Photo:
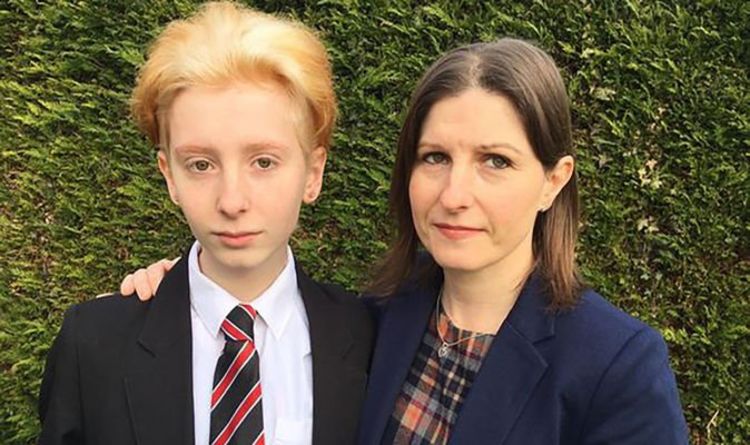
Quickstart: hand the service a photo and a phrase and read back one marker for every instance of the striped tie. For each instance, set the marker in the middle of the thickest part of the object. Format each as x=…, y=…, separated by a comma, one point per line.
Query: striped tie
x=236, y=408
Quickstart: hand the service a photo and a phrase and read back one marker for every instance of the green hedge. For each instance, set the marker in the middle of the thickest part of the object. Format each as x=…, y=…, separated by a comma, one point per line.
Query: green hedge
x=660, y=95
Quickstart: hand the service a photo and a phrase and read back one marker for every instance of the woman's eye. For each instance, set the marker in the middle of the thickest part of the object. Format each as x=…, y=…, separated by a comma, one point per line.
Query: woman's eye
x=497, y=161
x=200, y=165
x=435, y=158
x=264, y=163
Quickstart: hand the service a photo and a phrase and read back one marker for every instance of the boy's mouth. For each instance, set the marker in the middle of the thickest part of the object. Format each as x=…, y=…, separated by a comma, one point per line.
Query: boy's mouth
x=237, y=239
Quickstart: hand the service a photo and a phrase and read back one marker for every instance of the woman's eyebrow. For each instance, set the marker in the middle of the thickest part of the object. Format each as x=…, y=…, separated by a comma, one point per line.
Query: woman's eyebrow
x=428, y=144
x=509, y=146
x=482, y=147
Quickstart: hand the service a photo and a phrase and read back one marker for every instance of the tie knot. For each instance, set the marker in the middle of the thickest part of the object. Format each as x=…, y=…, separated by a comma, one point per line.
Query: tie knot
x=238, y=326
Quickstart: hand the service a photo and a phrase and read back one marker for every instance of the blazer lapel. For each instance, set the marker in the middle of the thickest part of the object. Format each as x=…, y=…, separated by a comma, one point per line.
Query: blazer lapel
x=399, y=336
x=338, y=387
x=509, y=372
x=159, y=382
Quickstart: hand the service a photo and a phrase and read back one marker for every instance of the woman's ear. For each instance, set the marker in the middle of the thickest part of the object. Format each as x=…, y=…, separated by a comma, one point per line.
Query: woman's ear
x=316, y=165
x=163, y=161
x=555, y=180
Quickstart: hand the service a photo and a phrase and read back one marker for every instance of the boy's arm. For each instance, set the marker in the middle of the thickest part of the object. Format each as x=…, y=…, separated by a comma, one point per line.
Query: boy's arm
x=59, y=397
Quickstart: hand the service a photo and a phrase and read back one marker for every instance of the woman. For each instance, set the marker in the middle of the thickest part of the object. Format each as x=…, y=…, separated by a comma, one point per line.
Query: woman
x=489, y=336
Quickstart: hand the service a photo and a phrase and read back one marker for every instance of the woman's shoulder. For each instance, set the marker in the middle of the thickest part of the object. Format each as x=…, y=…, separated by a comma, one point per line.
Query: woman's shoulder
x=598, y=313
x=379, y=305
x=597, y=326
x=620, y=367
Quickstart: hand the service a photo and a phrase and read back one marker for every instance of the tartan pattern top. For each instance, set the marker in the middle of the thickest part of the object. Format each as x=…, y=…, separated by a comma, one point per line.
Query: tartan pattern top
x=435, y=388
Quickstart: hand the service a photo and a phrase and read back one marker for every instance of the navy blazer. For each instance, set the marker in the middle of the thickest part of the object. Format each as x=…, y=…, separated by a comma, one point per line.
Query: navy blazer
x=590, y=375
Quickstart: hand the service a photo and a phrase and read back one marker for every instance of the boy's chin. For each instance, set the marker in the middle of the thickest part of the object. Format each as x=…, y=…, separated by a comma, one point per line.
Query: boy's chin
x=241, y=261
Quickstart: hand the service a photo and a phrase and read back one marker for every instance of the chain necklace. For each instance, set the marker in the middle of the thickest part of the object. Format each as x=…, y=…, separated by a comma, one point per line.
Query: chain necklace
x=445, y=346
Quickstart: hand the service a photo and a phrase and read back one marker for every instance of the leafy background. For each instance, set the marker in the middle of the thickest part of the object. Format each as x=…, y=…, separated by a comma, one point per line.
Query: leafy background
x=660, y=95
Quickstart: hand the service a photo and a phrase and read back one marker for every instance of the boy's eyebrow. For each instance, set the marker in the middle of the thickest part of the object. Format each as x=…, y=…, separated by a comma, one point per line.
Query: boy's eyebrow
x=265, y=145
x=194, y=147
x=254, y=146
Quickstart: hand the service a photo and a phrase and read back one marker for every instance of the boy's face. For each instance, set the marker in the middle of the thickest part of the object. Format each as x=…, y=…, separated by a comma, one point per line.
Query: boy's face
x=238, y=172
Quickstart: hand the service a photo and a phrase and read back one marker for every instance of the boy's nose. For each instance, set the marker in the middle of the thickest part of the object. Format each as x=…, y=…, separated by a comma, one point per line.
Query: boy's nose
x=232, y=201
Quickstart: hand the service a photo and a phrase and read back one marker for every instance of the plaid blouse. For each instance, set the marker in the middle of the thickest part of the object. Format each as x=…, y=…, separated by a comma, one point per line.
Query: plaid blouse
x=435, y=388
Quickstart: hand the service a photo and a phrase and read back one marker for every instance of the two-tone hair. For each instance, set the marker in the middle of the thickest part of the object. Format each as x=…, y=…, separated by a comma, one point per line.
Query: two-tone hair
x=224, y=42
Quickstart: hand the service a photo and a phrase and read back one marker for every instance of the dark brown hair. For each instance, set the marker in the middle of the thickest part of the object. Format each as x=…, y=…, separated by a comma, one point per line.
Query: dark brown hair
x=529, y=78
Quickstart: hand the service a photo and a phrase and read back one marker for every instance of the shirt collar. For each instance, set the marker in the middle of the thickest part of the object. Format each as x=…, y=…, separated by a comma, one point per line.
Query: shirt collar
x=212, y=303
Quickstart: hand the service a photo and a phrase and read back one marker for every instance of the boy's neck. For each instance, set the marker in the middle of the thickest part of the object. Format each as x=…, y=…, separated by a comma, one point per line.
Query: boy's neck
x=244, y=284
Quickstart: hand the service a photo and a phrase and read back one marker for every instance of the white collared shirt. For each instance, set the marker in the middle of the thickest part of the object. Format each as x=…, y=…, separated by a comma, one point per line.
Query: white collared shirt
x=282, y=338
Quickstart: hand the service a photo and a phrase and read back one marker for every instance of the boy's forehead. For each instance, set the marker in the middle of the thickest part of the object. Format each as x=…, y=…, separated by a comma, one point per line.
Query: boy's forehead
x=246, y=115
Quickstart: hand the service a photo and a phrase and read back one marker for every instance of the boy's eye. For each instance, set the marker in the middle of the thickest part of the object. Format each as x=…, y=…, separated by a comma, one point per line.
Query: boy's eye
x=264, y=163
x=435, y=158
x=200, y=165
x=497, y=162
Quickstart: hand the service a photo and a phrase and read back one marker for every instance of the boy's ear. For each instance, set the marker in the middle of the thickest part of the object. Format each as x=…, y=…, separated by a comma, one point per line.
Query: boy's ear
x=316, y=165
x=167, y=173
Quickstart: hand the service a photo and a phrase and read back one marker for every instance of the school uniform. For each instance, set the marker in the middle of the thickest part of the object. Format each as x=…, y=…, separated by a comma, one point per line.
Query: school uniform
x=589, y=375
x=122, y=371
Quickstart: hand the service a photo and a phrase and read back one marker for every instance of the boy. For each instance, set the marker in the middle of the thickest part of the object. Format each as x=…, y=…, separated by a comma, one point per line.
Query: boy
x=240, y=346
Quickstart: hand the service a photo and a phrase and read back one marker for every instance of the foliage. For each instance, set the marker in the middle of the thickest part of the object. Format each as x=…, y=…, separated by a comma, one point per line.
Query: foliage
x=660, y=94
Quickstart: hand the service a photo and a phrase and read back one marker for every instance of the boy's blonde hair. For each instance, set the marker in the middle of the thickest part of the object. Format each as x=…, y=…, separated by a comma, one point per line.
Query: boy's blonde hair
x=224, y=43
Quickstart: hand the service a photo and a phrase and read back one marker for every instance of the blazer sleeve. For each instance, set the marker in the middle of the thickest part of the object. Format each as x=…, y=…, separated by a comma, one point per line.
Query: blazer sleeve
x=59, y=397
x=636, y=401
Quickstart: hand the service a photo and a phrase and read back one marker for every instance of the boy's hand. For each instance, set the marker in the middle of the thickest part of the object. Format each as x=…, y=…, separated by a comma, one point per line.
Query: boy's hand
x=144, y=282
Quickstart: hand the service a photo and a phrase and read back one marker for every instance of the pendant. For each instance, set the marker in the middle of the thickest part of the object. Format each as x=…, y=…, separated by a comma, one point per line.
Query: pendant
x=443, y=350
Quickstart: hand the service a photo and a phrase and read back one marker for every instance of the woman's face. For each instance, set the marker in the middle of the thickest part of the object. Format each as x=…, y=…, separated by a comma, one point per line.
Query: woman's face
x=476, y=186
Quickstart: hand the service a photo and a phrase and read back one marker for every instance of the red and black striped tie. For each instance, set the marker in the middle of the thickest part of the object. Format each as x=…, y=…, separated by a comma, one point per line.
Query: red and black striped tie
x=236, y=409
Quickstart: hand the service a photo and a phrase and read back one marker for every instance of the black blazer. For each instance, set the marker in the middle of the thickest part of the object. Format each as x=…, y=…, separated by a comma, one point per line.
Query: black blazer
x=120, y=370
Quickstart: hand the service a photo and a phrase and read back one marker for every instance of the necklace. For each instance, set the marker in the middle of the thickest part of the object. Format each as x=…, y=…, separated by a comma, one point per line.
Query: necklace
x=445, y=346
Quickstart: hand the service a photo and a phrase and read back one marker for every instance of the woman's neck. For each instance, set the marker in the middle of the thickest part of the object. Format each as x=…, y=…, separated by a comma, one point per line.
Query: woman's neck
x=480, y=300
